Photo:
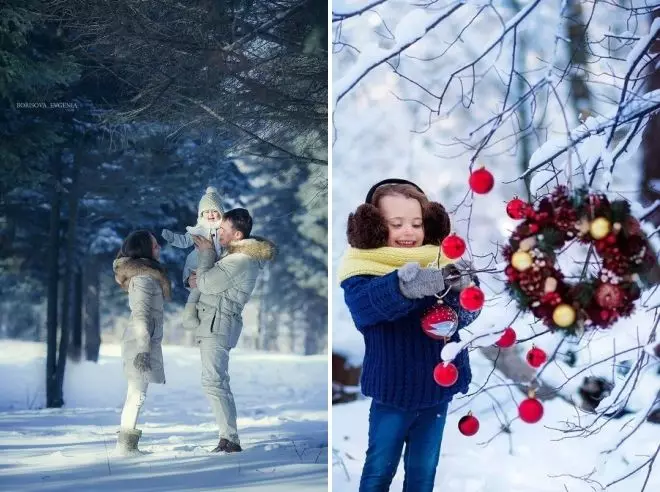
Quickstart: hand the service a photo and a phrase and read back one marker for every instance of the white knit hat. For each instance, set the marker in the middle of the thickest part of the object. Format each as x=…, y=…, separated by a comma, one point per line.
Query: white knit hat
x=210, y=201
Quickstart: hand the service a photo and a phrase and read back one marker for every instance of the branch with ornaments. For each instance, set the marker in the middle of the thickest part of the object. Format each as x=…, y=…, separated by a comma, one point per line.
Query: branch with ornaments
x=535, y=281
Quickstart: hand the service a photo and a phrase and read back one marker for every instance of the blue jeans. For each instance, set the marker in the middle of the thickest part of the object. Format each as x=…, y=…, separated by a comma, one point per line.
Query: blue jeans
x=389, y=429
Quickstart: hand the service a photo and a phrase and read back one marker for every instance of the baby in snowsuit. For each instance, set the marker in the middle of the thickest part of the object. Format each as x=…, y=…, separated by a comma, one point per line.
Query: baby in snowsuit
x=209, y=217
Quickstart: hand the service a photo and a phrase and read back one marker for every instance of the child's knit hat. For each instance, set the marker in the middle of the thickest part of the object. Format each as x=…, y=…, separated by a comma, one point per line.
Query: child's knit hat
x=210, y=201
x=367, y=228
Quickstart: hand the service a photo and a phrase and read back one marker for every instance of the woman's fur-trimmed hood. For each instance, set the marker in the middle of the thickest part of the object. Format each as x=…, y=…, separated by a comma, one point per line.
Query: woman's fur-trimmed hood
x=127, y=268
x=258, y=248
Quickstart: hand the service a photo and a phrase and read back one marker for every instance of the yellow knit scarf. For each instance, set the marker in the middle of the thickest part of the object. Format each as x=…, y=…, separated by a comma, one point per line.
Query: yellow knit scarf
x=381, y=261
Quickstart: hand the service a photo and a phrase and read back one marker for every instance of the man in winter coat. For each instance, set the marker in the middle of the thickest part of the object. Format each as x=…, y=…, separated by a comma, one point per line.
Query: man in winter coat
x=225, y=286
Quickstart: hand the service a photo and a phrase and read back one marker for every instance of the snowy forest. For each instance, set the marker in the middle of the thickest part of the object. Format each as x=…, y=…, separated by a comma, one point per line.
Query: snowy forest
x=117, y=117
x=534, y=94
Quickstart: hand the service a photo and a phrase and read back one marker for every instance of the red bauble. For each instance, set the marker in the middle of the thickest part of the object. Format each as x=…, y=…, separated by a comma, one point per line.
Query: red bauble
x=439, y=322
x=471, y=298
x=609, y=296
x=530, y=410
x=468, y=425
x=453, y=247
x=516, y=209
x=445, y=374
x=536, y=357
x=508, y=338
x=481, y=181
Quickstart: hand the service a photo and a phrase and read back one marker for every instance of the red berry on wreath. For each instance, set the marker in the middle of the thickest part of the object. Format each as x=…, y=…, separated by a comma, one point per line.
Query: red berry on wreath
x=516, y=209
x=439, y=322
x=609, y=296
x=536, y=357
x=468, y=425
x=481, y=181
x=507, y=339
x=632, y=226
x=530, y=410
x=445, y=374
x=453, y=247
x=471, y=298
x=511, y=273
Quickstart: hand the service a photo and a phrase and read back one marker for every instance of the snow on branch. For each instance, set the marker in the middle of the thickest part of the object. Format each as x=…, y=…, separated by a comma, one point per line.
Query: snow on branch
x=413, y=27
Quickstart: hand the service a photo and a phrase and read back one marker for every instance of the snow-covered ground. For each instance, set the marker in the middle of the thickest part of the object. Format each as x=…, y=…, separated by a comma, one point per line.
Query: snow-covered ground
x=282, y=416
x=532, y=458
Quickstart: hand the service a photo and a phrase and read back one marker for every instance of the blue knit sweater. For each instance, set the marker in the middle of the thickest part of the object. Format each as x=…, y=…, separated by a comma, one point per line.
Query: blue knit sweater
x=399, y=357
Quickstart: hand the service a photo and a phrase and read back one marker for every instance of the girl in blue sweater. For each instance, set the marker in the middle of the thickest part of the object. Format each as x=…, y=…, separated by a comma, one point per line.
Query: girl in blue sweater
x=388, y=284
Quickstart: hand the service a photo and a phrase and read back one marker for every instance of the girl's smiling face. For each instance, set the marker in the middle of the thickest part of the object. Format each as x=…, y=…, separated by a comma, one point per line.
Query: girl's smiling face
x=404, y=221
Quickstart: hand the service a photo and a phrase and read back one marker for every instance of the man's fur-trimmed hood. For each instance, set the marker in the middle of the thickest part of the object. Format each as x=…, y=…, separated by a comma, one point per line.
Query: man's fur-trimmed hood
x=127, y=268
x=258, y=248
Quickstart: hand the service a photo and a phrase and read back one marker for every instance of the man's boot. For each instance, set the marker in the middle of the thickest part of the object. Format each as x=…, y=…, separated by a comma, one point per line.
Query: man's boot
x=227, y=446
x=127, y=442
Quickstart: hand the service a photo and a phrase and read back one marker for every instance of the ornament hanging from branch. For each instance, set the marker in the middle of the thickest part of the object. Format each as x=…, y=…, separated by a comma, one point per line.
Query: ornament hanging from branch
x=481, y=181
x=530, y=410
x=516, y=209
x=445, y=374
x=468, y=425
x=536, y=282
x=453, y=246
x=508, y=338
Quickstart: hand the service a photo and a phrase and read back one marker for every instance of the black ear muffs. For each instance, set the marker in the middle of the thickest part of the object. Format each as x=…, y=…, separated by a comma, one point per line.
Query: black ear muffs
x=366, y=228
x=436, y=223
x=370, y=195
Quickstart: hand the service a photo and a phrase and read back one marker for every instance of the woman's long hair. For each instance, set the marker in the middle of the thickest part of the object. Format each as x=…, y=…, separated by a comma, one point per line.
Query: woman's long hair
x=137, y=245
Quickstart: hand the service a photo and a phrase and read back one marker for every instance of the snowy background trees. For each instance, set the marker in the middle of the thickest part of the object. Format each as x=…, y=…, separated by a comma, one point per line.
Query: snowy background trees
x=117, y=117
x=541, y=93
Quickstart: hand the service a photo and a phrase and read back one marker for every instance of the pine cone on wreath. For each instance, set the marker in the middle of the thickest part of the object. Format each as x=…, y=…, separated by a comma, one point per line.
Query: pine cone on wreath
x=560, y=195
x=565, y=219
x=617, y=263
x=531, y=282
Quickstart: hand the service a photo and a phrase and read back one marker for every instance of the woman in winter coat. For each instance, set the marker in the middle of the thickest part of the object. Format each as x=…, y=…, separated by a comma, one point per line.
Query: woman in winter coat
x=138, y=271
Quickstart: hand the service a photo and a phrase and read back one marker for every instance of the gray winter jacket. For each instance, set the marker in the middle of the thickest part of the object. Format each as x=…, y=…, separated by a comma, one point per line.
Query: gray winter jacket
x=147, y=285
x=226, y=287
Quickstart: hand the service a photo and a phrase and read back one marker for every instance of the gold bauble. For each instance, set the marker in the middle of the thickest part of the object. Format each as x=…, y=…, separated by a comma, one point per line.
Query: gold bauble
x=599, y=228
x=521, y=260
x=563, y=315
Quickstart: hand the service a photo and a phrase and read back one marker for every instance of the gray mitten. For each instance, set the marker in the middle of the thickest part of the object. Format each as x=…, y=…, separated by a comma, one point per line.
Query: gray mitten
x=167, y=235
x=416, y=282
x=142, y=362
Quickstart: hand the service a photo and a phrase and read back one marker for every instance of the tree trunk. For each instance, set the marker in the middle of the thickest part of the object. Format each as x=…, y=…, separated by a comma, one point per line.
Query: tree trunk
x=651, y=170
x=53, y=390
x=651, y=142
x=311, y=339
x=261, y=320
x=293, y=331
x=524, y=143
x=69, y=273
x=271, y=332
x=576, y=31
x=76, y=318
x=91, y=320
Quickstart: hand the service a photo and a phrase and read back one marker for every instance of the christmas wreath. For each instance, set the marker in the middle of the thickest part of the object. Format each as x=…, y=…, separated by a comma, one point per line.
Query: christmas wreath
x=615, y=241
